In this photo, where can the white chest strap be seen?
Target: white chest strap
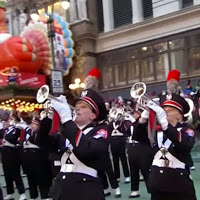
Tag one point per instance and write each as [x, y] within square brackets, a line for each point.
[174, 162]
[77, 166]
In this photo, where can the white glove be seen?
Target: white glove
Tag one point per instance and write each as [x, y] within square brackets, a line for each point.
[62, 108]
[145, 114]
[43, 114]
[160, 113]
[129, 118]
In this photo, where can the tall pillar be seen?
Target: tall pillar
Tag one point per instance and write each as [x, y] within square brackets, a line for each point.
[108, 15]
[137, 9]
[165, 7]
[196, 2]
[9, 16]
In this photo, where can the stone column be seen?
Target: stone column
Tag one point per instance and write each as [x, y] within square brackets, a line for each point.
[196, 2]
[165, 7]
[9, 16]
[108, 15]
[82, 9]
[137, 9]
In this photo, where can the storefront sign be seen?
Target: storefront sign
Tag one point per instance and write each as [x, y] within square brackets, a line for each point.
[30, 80]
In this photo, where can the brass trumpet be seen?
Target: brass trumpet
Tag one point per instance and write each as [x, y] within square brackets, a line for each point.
[138, 91]
[43, 95]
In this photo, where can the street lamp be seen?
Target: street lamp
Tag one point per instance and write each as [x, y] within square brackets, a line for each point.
[77, 86]
[34, 15]
[56, 75]
[65, 4]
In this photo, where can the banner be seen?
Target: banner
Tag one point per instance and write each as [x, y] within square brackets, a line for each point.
[31, 80]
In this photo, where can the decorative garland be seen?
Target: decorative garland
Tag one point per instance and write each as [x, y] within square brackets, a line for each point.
[17, 87]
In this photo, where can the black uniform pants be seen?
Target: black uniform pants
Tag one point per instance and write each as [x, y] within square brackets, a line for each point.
[11, 168]
[140, 158]
[118, 149]
[38, 171]
[76, 186]
[110, 173]
[168, 183]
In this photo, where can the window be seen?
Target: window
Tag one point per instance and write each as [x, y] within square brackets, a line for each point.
[147, 69]
[122, 12]
[194, 60]
[160, 47]
[107, 76]
[193, 40]
[133, 71]
[120, 74]
[147, 9]
[186, 3]
[100, 16]
[178, 61]
[146, 50]
[162, 66]
[175, 44]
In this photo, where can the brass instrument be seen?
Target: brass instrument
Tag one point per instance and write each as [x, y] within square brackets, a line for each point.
[189, 114]
[43, 95]
[115, 113]
[138, 91]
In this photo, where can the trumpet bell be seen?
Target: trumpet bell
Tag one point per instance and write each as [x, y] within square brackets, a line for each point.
[42, 94]
[138, 90]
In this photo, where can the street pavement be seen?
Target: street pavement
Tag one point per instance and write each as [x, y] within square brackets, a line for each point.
[125, 188]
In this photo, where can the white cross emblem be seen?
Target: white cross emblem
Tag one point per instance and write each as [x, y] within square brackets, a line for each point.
[169, 96]
[84, 93]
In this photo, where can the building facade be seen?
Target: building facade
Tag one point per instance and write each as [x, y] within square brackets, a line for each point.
[162, 35]
[137, 40]
[140, 40]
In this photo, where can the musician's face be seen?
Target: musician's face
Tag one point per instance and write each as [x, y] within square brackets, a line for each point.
[173, 115]
[84, 114]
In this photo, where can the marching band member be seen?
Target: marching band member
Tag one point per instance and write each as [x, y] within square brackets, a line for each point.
[109, 174]
[170, 174]
[35, 158]
[78, 177]
[11, 160]
[173, 78]
[118, 147]
[140, 154]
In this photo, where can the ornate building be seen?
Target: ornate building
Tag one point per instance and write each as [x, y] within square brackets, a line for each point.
[135, 40]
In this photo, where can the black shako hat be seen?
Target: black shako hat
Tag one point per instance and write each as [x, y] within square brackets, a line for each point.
[176, 101]
[95, 101]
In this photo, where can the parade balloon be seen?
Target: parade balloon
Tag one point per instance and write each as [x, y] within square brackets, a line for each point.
[19, 52]
[67, 33]
[63, 25]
